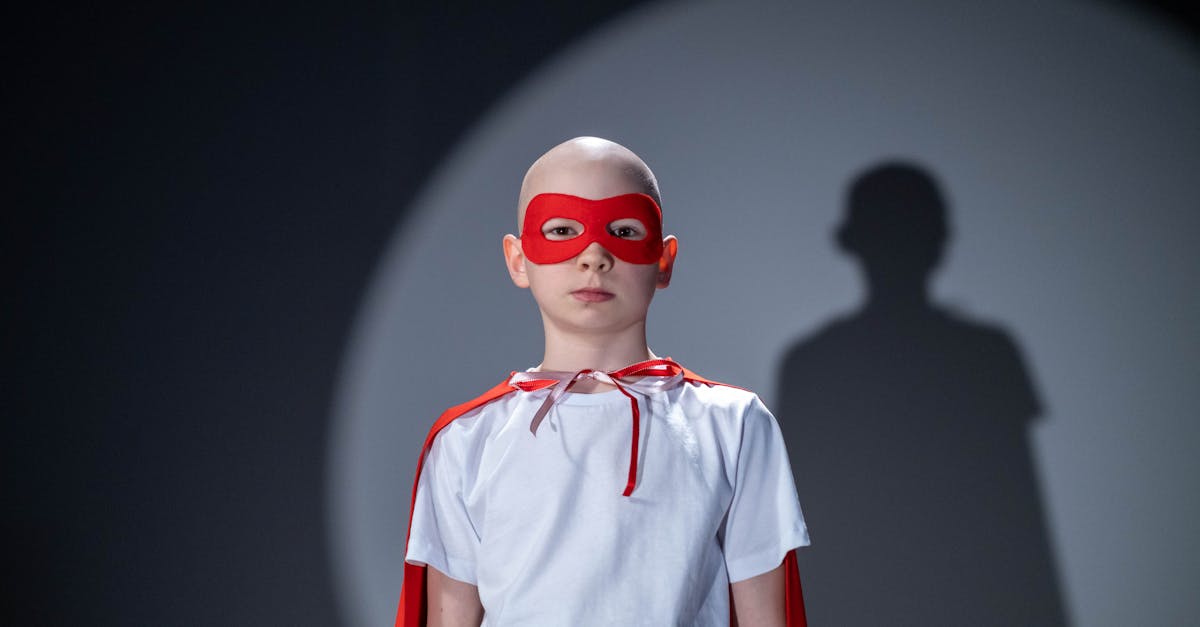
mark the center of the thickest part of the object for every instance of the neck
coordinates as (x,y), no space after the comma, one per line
(897,302)
(897,292)
(607,351)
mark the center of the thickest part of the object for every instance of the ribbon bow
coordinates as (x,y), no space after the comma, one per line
(657,374)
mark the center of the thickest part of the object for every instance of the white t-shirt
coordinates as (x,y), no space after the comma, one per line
(539,525)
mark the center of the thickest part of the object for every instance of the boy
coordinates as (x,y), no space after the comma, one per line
(605,486)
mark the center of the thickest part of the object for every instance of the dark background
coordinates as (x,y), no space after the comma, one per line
(201,195)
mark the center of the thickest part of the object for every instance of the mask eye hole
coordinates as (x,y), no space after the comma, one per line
(627,228)
(559,229)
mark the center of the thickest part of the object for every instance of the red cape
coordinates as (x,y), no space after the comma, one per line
(412,610)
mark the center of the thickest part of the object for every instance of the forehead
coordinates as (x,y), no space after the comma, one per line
(593,179)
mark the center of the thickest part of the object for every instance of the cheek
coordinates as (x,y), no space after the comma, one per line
(645,277)
(544,278)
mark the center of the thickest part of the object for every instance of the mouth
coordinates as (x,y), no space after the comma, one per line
(592,295)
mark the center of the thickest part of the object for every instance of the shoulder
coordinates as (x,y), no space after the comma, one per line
(722,400)
(476,404)
(739,422)
(473,415)
(718,391)
(969,326)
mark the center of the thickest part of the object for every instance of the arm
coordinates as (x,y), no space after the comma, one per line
(759,601)
(453,603)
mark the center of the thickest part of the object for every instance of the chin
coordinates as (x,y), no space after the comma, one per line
(600,323)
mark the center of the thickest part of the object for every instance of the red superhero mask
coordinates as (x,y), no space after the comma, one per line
(595,216)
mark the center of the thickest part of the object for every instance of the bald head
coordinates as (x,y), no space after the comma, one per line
(588,167)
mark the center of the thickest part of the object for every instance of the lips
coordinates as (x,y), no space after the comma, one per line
(592,295)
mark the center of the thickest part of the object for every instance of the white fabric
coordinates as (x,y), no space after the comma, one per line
(646,385)
(538,522)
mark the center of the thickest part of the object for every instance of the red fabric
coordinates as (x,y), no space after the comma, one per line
(793,594)
(413,605)
(595,216)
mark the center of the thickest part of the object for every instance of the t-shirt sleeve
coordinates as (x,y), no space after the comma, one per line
(441,534)
(764,520)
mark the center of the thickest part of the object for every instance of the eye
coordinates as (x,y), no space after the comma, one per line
(627,228)
(558,229)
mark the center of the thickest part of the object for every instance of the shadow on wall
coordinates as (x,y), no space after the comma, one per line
(906,423)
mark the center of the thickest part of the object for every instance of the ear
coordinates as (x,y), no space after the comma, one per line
(514,259)
(666,263)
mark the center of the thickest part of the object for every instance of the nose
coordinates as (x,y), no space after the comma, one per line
(594,257)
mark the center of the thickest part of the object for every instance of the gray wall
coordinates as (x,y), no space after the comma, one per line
(206,250)
(1065,143)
